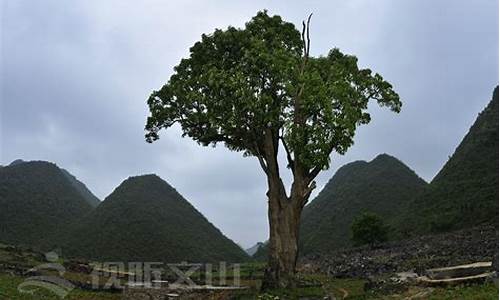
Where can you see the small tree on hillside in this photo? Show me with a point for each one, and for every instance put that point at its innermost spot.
(258, 90)
(368, 228)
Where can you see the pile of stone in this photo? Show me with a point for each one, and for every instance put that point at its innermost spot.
(417, 254)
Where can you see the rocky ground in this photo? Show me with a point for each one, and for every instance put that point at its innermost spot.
(416, 254)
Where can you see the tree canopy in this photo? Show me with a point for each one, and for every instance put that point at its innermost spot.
(241, 86)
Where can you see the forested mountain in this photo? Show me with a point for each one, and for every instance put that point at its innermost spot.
(36, 201)
(77, 184)
(465, 192)
(145, 219)
(383, 186)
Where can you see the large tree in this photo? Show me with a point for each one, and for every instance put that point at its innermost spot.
(258, 90)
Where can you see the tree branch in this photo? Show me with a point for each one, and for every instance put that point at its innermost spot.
(291, 162)
(308, 39)
(315, 171)
(304, 37)
(307, 193)
(262, 163)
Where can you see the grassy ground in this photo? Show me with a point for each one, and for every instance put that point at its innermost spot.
(9, 290)
(479, 292)
(338, 288)
(353, 289)
(485, 291)
(312, 287)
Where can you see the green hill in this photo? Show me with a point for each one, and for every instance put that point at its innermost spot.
(145, 219)
(78, 185)
(383, 186)
(36, 202)
(465, 192)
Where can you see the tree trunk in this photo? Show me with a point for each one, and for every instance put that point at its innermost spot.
(284, 220)
(284, 216)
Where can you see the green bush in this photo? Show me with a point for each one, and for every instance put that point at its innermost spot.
(368, 228)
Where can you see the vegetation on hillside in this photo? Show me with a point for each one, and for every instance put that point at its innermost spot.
(145, 219)
(82, 189)
(37, 202)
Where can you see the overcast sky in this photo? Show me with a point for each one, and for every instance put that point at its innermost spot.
(75, 77)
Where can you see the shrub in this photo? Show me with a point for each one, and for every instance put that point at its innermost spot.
(368, 228)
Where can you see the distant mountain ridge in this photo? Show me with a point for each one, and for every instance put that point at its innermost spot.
(145, 219)
(251, 251)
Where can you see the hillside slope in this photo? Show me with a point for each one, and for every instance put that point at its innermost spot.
(37, 201)
(383, 186)
(465, 192)
(145, 219)
(82, 189)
